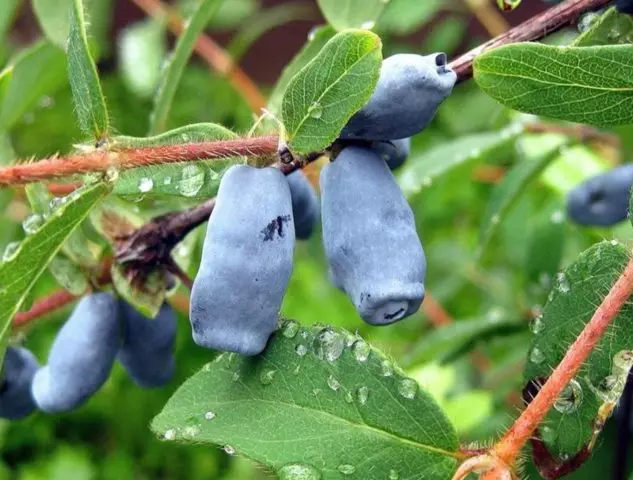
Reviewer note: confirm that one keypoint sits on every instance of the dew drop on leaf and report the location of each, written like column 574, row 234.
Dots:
column 368, row 25
column 333, row 383
column 386, row 368
column 393, row 475
column 548, row 434
column 170, row 434
column 586, row 21
column 190, row 432
column 10, row 250
column 145, row 184
column 570, row 398
column 408, row 388
column 301, row 350
column 362, row 393
column 348, row 397
column 536, row 355
column 361, row 350
column 315, row 110
column 536, row 324
column 229, row 450
column 267, row 376
column 290, row 329
column 209, row 415
column 328, row 345
column 563, row 283
column 32, row 223
column 167, row 181
column 298, row 471
column 235, row 377
column 111, row 174
column 191, row 181
column 346, row 469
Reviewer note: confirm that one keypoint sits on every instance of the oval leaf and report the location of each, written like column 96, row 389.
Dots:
column 591, row 85
column 610, row 28
column 317, row 399
column 342, row 14
column 322, row 97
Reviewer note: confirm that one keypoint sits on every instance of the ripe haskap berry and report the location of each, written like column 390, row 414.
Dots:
column 395, row 152
column 409, row 90
column 246, row 262
column 18, row 370
column 305, row 204
column 81, row 357
column 147, row 350
column 624, row 6
column 370, row 238
column 602, row 200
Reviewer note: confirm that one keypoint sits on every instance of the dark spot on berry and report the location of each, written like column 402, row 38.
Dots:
column 275, row 227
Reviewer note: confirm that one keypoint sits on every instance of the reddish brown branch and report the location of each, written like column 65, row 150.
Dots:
column 44, row 306
column 535, row 28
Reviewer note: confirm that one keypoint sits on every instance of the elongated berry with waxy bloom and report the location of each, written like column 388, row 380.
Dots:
column 18, row 368
column 409, row 91
column 395, row 152
column 305, row 204
column 246, row 262
column 81, row 357
column 370, row 239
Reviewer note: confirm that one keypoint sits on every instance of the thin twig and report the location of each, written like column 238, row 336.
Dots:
column 44, row 306
column 435, row 311
column 215, row 56
column 536, row 28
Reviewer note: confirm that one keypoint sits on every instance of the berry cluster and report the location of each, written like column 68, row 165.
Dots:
column 602, row 200
column 369, row 233
column 100, row 330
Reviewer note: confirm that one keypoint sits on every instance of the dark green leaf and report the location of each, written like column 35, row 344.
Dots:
column 591, row 85
column 90, row 106
column 318, row 400
column 608, row 29
column 343, row 14
column 577, row 292
column 23, row 263
column 170, row 77
column 324, row 94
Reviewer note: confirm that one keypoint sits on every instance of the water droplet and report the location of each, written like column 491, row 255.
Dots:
column 346, row 469
column 191, row 180
column 495, row 219
column 312, row 33
column 614, row 242
column 185, row 138
column 209, row 415
column 68, row 275
column 368, row 25
column 167, row 181
column 536, row 355
column 145, row 184
column 235, row 377
column 536, row 325
column 301, row 350
column 315, row 110
column 362, row 393
column 557, row 217
column 290, row 329
column 385, row 1
column 10, row 250
column 328, row 345
column 563, row 283
column 570, row 398
column 46, row 102
column 267, row 376
column 55, row 203
column 427, row 181
column 393, row 475
column 32, row 223
column 170, row 434
column 348, row 397
column 361, row 350
column 229, row 450
column 190, row 432
column 408, row 388
column 112, row 174
column 386, row 368
column 298, row 471
column 333, row 383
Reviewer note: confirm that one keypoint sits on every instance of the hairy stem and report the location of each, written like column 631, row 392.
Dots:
column 509, row 447
column 533, row 29
column 215, row 56
column 101, row 161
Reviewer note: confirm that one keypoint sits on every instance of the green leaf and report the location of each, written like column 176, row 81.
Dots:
column 200, row 179
column 591, row 85
column 318, row 400
column 147, row 296
column 8, row 9
column 172, row 73
column 142, row 48
column 423, row 169
column 608, row 29
column 577, row 292
column 324, row 94
column 37, row 71
column 403, row 17
column 22, row 267
column 316, row 41
column 546, row 243
column 90, row 106
column 539, row 152
column 343, row 14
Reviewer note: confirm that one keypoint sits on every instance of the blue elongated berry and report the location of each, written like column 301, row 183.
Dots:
column 370, row 237
column 81, row 357
column 624, row 6
column 408, row 93
column 602, row 200
column 394, row 152
column 246, row 262
column 18, row 370
column 147, row 350
column 305, row 204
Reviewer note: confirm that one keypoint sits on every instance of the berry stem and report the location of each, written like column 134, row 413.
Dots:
column 510, row 445
column 44, row 306
column 535, row 28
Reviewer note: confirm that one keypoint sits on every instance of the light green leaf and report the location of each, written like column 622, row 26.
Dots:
column 200, row 179
column 90, row 106
column 538, row 153
column 324, row 94
column 343, row 14
column 170, row 77
column 591, row 85
column 610, row 28
column 470, row 409
column 22, row 267
column 230, row 15
column 577, row 292
column 8, row 9
column 315, row 401
column 147, row 296
column 403, row 17
column 37, row 71
column 422, row 170
column 141, row 51
column 546, row 243
column 316, row 41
